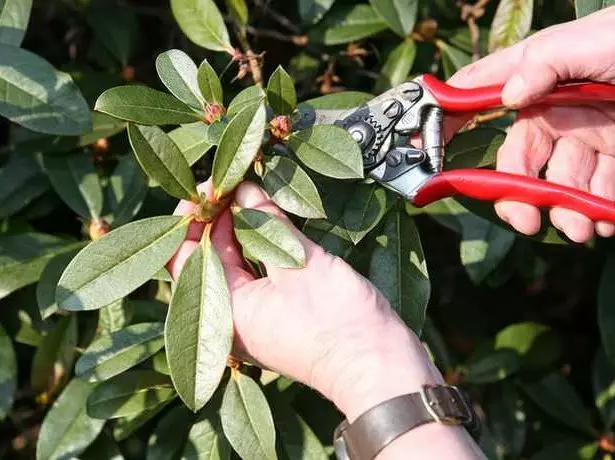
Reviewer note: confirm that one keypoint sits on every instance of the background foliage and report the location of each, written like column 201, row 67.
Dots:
column 524, row 324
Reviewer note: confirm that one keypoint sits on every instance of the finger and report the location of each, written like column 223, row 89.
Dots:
column 525, row 151
column 251, row 196
column 572, row 164
column 176, row 263
column 602, row 184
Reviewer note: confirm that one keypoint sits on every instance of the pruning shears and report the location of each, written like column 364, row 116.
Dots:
column 384, row 125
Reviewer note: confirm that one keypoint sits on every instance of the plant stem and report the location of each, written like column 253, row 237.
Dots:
column 282, row 20
column 255, row 68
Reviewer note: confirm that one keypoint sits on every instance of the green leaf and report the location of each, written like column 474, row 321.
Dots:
column 206, row 440
column 267, row 238
column 364, row 211
column 127, row 190
column 111, row 354
column 312, row 11
column 14, row 17
column 511, row 23
column 397, row 66
column 128, row 394
column 46, row 287
column 192, row 141
column 348, row 23
column 453, row 58
column 202, row 23
column 246, row 419
column 571, row 449
column 67, row 429
column 399, row 271
column 507, row 418
column 328, row 150
column 125, row 427
column 116, row 264
column 281, row 93
column 146, row 106
column 247, row 97
column 585, row 7
column 199, row 327
column 209, row 83
column 492, row 366
column 474, row 149
column 238, row 10
column 336, row 101
column 74, row 178
column 116, row 30
column 162, row 161
column 115, row 316
column 37, row 96
column 239, row 144
column 24, row 256
column 169, row 437
column 400, row 15
column 537, row 345
column 8, row 373
column 556, row 397
column 291, row 188
column 55, row 356
column 603, row 382
column 21, row 182
column 606, row 301
column 178, row 73
column 103, row 448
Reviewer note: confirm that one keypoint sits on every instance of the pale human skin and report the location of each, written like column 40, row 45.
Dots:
column 328, row 327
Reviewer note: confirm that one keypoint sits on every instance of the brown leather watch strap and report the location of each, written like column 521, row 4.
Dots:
column 378, row 427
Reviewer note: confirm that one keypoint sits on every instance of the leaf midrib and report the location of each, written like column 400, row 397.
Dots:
column 250, row 418
column 324, row 152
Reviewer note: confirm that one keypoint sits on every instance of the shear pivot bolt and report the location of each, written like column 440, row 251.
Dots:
column 394, row 158
column 391, row 108
column 357, row 136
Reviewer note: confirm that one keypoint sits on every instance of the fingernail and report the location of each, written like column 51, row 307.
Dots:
column 250, row 195
column 513, row 92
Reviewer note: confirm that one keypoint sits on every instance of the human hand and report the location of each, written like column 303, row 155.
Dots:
column 576, row 143
column 323, row 325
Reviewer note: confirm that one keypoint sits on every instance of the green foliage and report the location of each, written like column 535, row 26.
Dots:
column 86, row 224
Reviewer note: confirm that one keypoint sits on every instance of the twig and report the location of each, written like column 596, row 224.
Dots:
column 282, row 20
column 470, row 13
column 475, row 37
column 299, row 40
column 484, row 118
column 255, row 68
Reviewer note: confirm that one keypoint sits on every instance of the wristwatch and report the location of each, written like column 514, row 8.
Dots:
column 371, row 432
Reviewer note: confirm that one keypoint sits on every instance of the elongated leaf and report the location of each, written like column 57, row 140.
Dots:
column 238, row 10
column 606, row 301
column 162, row 161
column 128, row 394
column 247, row 97
column 337, row 101
column 160, row 363
column 312, row 11
column 111, row 354
column 209, row 83
column 399, row 270
column 178, row 73
column 364, row 211
column 114, row 316
column 192, row 140
column 67, row 429
column 246, row 419
column 267, row 238
column 291, row 188
column 348, row 23
column 21, row 182
column 199, row 327
column 8, row 373
column 206, row 441
column 603, row 383
column 145, row 106
column 400, row 15
column 74, row 178
column 127, row 190
column 46, row 287
column 169, row 437
column 24, row 256
column 507, row 418
column 329, row 150
column 453, row 58
column 202, row 23
column 556, row 397
column 585, row 7
column 511, row 23
column 537, row 345
column 119, row 262
column 238, row 146
column 474, row 149
column 37, row 96
column 397, row 66
column 116, row 30
column 124, row 427
column 281, row 92
column 492, row 367
column 14, row 17
column 103, row 448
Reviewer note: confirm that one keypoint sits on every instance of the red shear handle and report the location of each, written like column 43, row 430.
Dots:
column 489, row 97
column 487, row 185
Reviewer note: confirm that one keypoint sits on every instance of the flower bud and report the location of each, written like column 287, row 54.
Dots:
column 97, row 229
column 281, row 127
column 213, row 112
